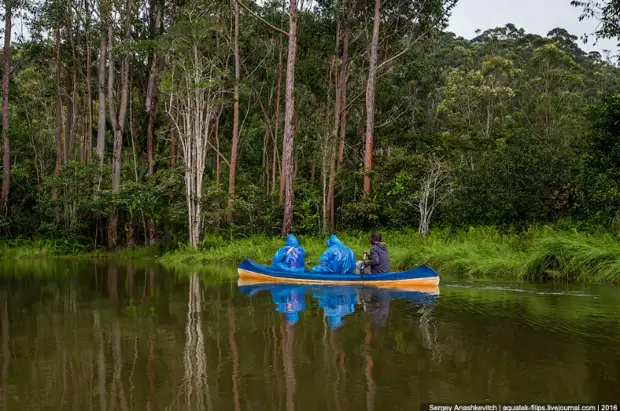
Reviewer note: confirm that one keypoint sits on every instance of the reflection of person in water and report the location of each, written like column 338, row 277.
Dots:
column 377, row 303
column 336, row 303
column 289, row 300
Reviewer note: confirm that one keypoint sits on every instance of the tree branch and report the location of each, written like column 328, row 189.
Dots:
column 403, row 51
column 261, row 19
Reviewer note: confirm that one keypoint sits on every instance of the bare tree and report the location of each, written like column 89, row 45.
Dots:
column 434, row 189
column 194, row 89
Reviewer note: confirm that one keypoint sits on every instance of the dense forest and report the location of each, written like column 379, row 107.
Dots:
column 130, row 122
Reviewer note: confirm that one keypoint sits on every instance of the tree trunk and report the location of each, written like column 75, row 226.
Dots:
column 276, row 138
column 218, row 164
column 343, row 80
column 152, row 88
column 6, row 147
column 171, row 136
column 68, row 126
column 370, row 100
column 72, row 114
column 289, row 118
column 101, row 105
column 117, row 118
column 235, row 135
column 334, row 137
column 131, row 241
column 59, row 146
column 151, row 106
column 89, row 88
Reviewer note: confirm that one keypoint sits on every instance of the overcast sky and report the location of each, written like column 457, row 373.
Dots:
column 534, row 16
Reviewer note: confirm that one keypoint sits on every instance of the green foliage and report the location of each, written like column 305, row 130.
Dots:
column 519, row 122
column 475, row 253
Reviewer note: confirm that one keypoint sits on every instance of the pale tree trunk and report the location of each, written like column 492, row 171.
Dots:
column 68, row 127
column 343, row 80
column 6, row 147
column 433, row 191
column 152, row 88
column 192, row 113
column 235, row 133
column 101, row 104
column 289, row 118
column 59, row 146
column 218, row 164
column 173, row 151
column 276, row 137
column 117, row 118
column 370, row 100
column 89, row 88
column 151, row 106
column 72, row 114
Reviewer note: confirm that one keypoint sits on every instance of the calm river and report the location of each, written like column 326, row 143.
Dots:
column 106, row 336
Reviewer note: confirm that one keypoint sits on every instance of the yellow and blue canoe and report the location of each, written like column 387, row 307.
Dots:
column 422, row 276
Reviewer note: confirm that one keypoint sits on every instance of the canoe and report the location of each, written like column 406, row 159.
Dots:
column 416, row 277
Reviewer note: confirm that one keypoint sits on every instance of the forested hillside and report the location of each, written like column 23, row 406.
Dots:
column 130, row 122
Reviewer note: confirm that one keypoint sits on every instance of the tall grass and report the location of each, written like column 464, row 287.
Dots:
column 482, row 253
column 49, row 248
column 538, row 254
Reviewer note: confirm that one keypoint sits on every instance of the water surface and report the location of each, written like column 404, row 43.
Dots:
column 106, row 336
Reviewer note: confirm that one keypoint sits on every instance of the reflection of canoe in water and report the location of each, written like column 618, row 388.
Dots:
column 422, row 294
column 419, row 276
column 337, row 301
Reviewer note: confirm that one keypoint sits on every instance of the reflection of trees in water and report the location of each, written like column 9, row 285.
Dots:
column 428, row 329
column 288, row 343
column 377, row 304
column 235, row 355
column 117, row 390
column 370, row 381
column 6, row 357
column 195, row 360
column 100, row 360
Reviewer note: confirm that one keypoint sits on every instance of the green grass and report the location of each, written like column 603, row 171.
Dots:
column 480, row 253
column 477, row 253
column 43, row 249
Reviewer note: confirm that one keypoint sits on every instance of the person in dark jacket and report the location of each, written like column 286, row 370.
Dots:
column 379, row 259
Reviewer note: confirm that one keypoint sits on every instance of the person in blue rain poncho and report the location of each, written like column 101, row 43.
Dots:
column 290, row 257
column 290, row 301
column 336, row 303
column 338, row 258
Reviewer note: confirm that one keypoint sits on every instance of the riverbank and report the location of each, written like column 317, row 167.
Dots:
column 477, row 253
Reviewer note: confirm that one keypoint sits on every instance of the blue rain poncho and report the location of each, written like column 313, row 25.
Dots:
column 337, row 258
column 336, row 304
column 289, row 301
column 290, row 257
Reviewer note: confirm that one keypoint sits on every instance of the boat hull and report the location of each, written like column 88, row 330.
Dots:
column 423, row 276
